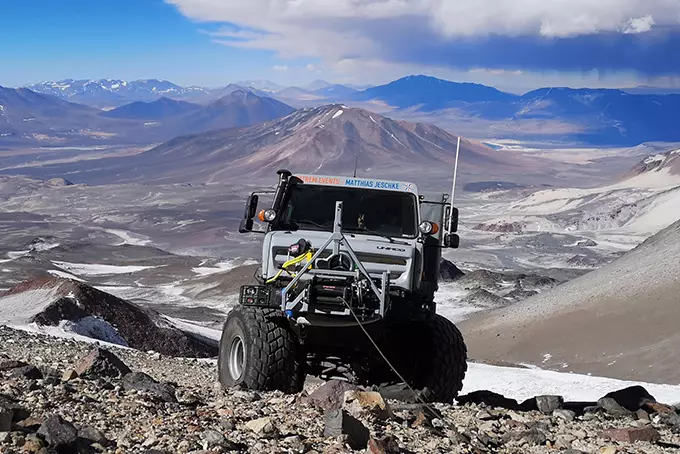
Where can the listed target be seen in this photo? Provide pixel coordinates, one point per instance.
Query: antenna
(356, 164)
(453, 187)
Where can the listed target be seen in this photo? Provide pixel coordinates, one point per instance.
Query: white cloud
(282, 68)
(336, 30)
(639, 25)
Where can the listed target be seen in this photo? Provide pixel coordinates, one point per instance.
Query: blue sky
(513, 44)
(128, 39)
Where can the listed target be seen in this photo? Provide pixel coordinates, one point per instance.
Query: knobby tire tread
(275, 361)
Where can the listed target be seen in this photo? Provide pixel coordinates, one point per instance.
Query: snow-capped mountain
(113, 92)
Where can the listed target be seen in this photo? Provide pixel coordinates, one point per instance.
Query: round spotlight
(269, 215)
(427, 227)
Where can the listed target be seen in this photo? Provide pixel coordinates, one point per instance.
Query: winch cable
(434, 412)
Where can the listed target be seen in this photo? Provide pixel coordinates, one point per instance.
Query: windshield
(370, 211)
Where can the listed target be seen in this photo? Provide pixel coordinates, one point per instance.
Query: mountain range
(30, 118)
(591, 116)
(330, 139)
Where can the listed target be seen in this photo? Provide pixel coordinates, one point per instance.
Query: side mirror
(451, 219)
(451, 240)
(251, 206)
(245, 226)
(454, 220)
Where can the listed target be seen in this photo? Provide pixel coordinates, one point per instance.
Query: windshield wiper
(369, 231)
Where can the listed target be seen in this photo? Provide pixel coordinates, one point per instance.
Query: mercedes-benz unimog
(346, 289)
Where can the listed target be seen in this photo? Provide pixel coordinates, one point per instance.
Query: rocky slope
(618, 321)
(66, 396)
(82, 310)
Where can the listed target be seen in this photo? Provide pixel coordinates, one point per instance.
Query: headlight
(428, 227)
(269, 215)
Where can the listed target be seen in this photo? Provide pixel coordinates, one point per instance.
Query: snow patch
(522, 384)
(655, 158)
(338, 113)
(133, 239)
(93, 269)
(65, 275)
(21, 307)
(222, 267)
(193, 327)
(93, 327)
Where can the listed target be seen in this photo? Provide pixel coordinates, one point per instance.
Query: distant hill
(612, 116)
(157, 110)
(595, 116)
(335, 91)
(238, 108)
(26, 116)
(30, 118)
(429, 93)
(317, 85)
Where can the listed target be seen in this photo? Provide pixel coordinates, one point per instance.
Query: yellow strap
(294, 261)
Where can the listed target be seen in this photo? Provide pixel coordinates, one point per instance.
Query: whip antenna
(356, 164)
(453, 187)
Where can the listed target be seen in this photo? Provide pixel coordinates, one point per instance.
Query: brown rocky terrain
(61, 395)
(87, 311)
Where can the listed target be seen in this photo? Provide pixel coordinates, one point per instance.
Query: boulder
(490, 399)
(139, 381)
(58, 433)
(330, 395)
(632, 398)
(612, 407)
(101, 363)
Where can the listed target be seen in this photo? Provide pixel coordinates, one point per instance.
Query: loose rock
(139, 381)
(101, 363)
(359, 403)
(58, 432)
(632, 434)
(330, 395)
(548, 404)
(339, 422)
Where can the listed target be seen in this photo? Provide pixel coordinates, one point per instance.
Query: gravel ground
(181, 409)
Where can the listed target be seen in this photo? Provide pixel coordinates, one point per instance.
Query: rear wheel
(431, 356)
(259, 351)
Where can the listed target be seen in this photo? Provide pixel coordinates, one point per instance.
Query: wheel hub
(236, 357)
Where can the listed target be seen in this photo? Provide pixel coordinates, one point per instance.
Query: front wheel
(259, 351)
(431, 355)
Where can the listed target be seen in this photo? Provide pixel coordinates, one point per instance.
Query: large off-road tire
(431, 356)
(259, 351)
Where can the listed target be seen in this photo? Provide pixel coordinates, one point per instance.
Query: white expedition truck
(345, 289)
